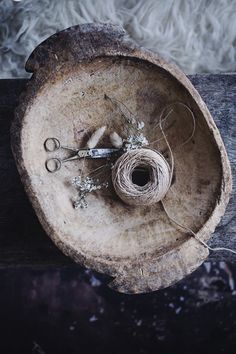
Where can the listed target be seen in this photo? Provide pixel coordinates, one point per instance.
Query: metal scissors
(54, 164)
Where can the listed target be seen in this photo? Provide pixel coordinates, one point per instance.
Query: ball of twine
(157, 179)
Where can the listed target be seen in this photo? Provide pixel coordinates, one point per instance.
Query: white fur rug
(199, 35)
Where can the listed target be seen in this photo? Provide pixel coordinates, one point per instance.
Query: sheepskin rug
(198, 35)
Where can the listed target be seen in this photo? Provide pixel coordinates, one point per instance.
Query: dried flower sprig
(126, 113)
(85, 185)
(135, 142)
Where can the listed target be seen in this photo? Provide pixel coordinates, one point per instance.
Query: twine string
(160, 177)
(158, 174)
(187, 229)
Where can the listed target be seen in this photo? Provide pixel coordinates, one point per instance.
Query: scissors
(54, 164)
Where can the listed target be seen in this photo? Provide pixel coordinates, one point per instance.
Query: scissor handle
(52, 165)
(52, 144)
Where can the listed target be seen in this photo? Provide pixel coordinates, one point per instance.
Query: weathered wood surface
(22, 239)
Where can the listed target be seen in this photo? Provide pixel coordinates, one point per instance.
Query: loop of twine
(160, 173)
(159, 177)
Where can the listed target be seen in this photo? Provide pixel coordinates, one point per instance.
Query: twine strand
(153, 164)
(160, 176)
(214, 249)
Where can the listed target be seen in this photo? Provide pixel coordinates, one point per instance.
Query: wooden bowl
(138, 246)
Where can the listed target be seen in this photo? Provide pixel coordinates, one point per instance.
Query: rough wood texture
(219, 93)
(138, 247)
(23, 241)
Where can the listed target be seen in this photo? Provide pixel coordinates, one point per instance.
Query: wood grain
(219, 93)
(23, 241)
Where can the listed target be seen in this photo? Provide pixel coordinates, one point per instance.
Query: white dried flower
(136, 142)
(116, 140)
(95, 137)
(140, 125)
(85, 185)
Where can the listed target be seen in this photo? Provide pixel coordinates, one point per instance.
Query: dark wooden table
(50, 305)
(22, 239)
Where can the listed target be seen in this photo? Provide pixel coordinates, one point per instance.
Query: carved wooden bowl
(138, 246)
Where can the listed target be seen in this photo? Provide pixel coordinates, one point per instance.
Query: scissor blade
(97, 153)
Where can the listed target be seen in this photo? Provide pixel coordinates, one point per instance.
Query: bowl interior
(70, 107)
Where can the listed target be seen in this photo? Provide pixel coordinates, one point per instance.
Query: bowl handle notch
(79, 43)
